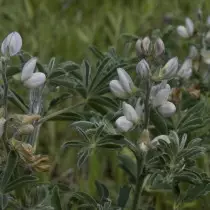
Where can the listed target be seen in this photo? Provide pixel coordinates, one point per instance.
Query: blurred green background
(66, 28)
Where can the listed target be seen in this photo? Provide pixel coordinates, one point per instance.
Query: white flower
(12, 44)
(170, 68)
(182, 31)
(123, 124)
(159, 47)
(160, 94)
(36, 80)
(186, 69)
(208, 21)
(187, 30)
(193, 52)
(189, 25)
(2, 122)
(138, 47)
(167, 109)
(130, 113)
(142, 68)
(125, 80)
(117, 89)
(206, 56)
(28, 69)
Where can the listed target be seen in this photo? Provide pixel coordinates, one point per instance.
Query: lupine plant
(142, 108)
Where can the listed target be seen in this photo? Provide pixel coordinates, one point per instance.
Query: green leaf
(159, 122)
(103, 192)
(129, 166)
(3, 201)
(96, 52)
(123, 196)
(20, 182)
(55, 199)
(9, 169)
(86, 72)
(12, 70)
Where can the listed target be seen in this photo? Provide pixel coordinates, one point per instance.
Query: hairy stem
(50, 116)
(139, 181)
(5, 105)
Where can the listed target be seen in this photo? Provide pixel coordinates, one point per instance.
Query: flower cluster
(11, 46)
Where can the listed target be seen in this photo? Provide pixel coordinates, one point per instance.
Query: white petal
(167, 109)
(161, 97)
(182, 31)
(130, 113)
(28, 69)
(185, 69)
(117, 89)
(36, 80)
(12, 44)
(123, 124)
(125, 80)
(189, 25)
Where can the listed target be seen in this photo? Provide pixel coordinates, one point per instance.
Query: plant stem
(5, 104)
(50, 116)
(146, 104)
(139, 181)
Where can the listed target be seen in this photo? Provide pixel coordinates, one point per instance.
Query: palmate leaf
(103, 192)
(86, 72)
(55, 199)
(129, 166)
(83, 198)
(123, 196)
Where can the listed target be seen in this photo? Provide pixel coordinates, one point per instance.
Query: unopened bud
(159, 47)
(143, 69)
(143, 147)
(2, 122)
(26, 129)
(167, 109)
(28, 69)
(12, 44)
(36, 80)
(123, 124)
(138, 48)
(146, 45)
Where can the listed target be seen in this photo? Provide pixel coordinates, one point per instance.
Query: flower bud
(193, 52)
(146, 45)
(26, 129)
(11, 44)
(208, 21)
(125, 81)
(2, 122)
(28, 69)
(206, 56)
(36, 80)
(182, 31)
(159, 47)
(167, 109)
(143, 69)
(130, 113)
(143, 147)
(117, 89)
(189, 26)
(170, 68)
(186, 69)
(123, 124)
(138, 48)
